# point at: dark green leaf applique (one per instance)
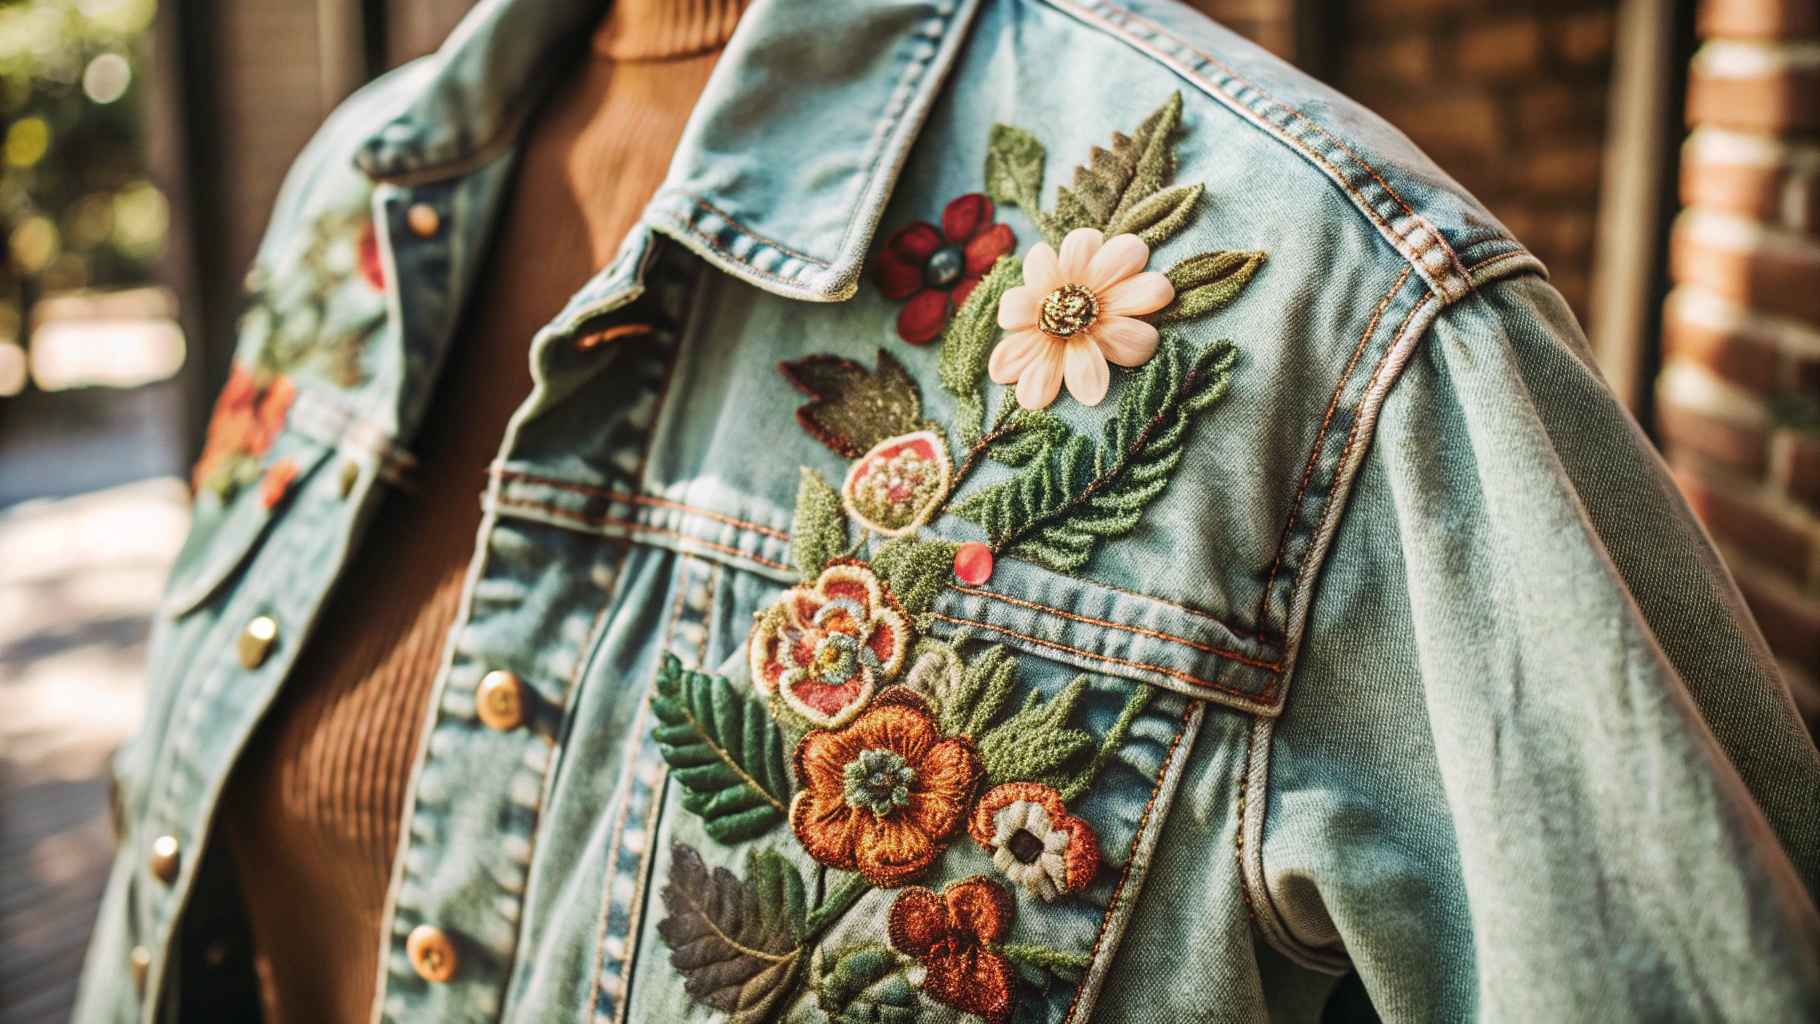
(1074, 494)
(1034, 744)
(736, 943)
(855, 408)
(724, 750)
(1207, 282)
(819, 532)
(916, 571)
(867, 985)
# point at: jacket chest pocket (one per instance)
(856, 813)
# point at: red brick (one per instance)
(1795, 465)
(1739, 446)
(1750, 87)
(1556, 110)
(1567, 172)
(1742, 518)
(1499, 50)
(1405, 12)
(1584, 39)
(1759, 19)
(1777, 274)
(1733, 352)
(1758, 176)
(1463, 123)
(1402, 60)
(1789, 619)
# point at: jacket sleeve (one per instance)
(1536, 762)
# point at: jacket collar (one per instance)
(786, 163)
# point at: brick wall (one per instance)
(1507, 95)
(1739, 396)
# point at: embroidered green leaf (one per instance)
(1067, 966)
(854, 408)
(1014, 175)
(1159, 217)
(724, 750)
(1023, 434)
(1207, 282)
(735, 942)
(915, 570)
(1116, 181)
(1034, 744)
(818, 535)
(981, 693)
(1058, 508)
(966, 345)
(1109, 743)
(867, 985)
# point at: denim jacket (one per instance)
(803, 673)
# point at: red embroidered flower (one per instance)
(277, 481)
(372, 268)
(935, 268)
(955, 934)
(1033, 839)
(893, 488)
(885, 795)
(827, 645)
(248, 417)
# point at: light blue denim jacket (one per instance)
(1358, 628)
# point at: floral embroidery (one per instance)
(829, 644)
(325, 307)
(954, 933)
(893, 488)
(884, 795)
(937, 269)
(1033, 839)
(277, 481)
(1075, 312)
(248, 417)
(372, 266)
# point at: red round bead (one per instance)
(973, 563)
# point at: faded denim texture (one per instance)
(1452, 689)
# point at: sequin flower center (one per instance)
(1075, 312)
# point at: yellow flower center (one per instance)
(1068, 311)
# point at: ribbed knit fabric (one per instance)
(312, 813)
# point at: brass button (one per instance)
(432, 954)
(256, 640)
(423, 219)
(167, 857)
(139, 964)
(501, 700)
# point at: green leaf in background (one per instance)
(1207, 282)
(724, 750)
(818, 535)
(736, 943)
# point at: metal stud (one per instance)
(257, 640)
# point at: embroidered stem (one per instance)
(1109, 743)
(1050, 959)
(839, 902)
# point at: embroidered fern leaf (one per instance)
(1207, 282)
(1034, 744)
(966, 345)
(1109, 743)
(1117, 181)
(1160, 216)
(818, 534)
(980, 694)
(867, 986)
(724, 750)
(855, 408)
(736, 942)
(1058, 508)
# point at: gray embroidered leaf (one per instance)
(1159, 217)
(867, 985)
(724, 750)
(1014, 174)
(1034, 744)
(818, 535)
(735, 942)
(915, 570)
(1207, 282)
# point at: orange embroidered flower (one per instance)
(248, 417)
(1073, 313)
(892, 489)
(955, 933)
(826, 646)
(936, 269)
(277, 481)
(886, 794)
(372, 265)
(1033, 839)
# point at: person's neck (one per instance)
(648, 30)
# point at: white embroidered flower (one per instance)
(1073, 313)
(1033, 839)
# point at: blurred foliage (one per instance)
(76, 209)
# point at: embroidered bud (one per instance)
(1068, 310)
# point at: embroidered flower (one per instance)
(248, 417)
(892, 489)
(277, 481)
(955, 933)
(1033, 839)
(935, 268)
(825, 646)
(884, 795)
(372, 267)
(1073, 313)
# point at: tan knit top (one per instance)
(312, 812)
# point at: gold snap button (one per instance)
(166, 858)
(139, 964)
(256, 641)
(432, 954)
(423, 219)
(501, 700)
